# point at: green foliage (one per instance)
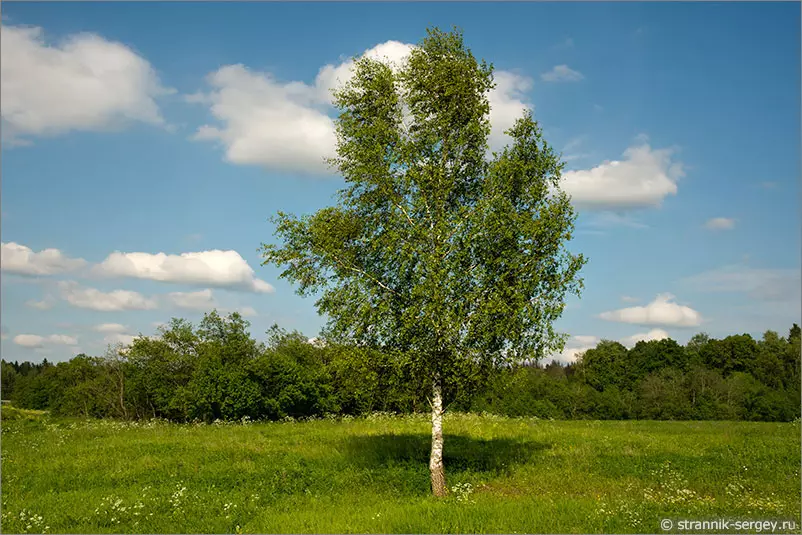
(433, 251)
(217, 371)
(606, 365)
(735, 353)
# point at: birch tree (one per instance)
(435, 249)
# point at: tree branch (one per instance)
(366, 274)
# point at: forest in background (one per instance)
(217, 371)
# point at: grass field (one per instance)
(371, 475)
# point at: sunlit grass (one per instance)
(371, 475)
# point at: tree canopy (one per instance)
(434, 248)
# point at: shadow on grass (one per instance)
(460, 452)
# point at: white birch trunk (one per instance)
(436, 459)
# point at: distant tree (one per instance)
(605, 365)
(8, 377)
(794, 332)
(433, 250)
(769, 365)
(705, 389)
(694, 347)
(654, 355)
(161, 368)
(555, 370)
(791, 358)
(115, 362)
(663, 395)
(736, 353)
(222, 386)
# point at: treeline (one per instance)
(218, 371)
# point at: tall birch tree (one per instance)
(436, 249)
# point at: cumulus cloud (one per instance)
(201, 300)
(62, 339)
(508, 102)
(288, 125)
(643, 178)
(19, 259)
(119, 338)
(94, 299)
(84, 82)
(268, 123)
(720, 223)
(662, 311)
(562, 73)
(36, 341)
(225, 269)
(330, 77)
(280, 125)
(762, 284)
(575, 346)
(654, 334)
(29, 340)
(247, 312)
(110, 328)
(45, 304)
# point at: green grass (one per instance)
(371, 475)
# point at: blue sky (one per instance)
(134, 129)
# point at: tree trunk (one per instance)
(436, 459)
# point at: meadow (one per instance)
(370, 475)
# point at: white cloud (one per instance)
(110, 328)
(3, 332)
(94, 299)
(280, 125)
(508, 103)
(201, 300)
(662, 311)
(654, 334)
(643, 178)
(575, 346)
(45, 304)
(16, 258)
(288, 125)
(246, 312)
(393, 53)
(268, 123)
(29, 340)
(762, 284)
(83, 83)
(225, 269)
(36, 341)
(119, 338)
(562, 73)
(62, 339)
(720, 223)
